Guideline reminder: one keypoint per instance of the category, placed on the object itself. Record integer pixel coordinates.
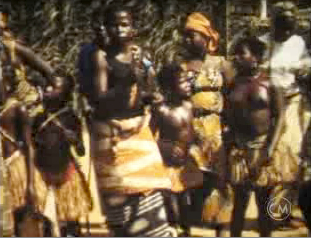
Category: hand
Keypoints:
(265, 158)
(136, 54)
(80, 148)
(178, 152)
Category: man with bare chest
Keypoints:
(129, 167)
(255, 118)
(173, 116)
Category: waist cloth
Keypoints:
(282, 169)
(126, 156)
(136, 214)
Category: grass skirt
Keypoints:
(73, 198)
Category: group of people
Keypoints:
(171, 148)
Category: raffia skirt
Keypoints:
(6, 218)
(73, 199)
(282, 169)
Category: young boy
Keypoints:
(255, 118)
(174, 117)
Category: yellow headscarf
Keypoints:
(198, 22)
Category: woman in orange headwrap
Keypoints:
(206, 71)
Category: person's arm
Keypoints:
(303, 68)
(28, 150)
(34, 61)
(151, 85)
(53, 92)
(278, 113)
(228, 72)
(73, 132)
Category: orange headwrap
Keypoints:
(198, 22)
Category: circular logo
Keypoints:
(279, 208)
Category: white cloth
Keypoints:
(285, 58)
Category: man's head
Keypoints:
(284, 20)
(98, 27)
(199, 37)
(249, 54)
(119, 23)
(65, 86)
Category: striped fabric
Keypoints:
(128, 165)
(136, 215)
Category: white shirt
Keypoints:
(287, 57)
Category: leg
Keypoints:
(185, 211)
(241, 198)
(72, 229)
(172, 207)
(264, 220)
(304, 201)
(198, 197)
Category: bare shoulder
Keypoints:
(100, 58)
(100, 55)
(188, 105)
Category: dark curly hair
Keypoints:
(256, 47)
(5, 8)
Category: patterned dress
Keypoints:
(208, 104)
(23, 90)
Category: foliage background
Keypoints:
(56, 28)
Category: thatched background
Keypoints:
(56, 28)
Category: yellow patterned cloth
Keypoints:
(208, 126)
(186, 177)
(23, 90)
(129, 163)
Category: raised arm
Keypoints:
(31, 59)
(24, 122)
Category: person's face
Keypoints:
(122, 27)
(246, 62)
(102, 36)
(283, 27)
(3, 20)
(195, 42)
(182, 85)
